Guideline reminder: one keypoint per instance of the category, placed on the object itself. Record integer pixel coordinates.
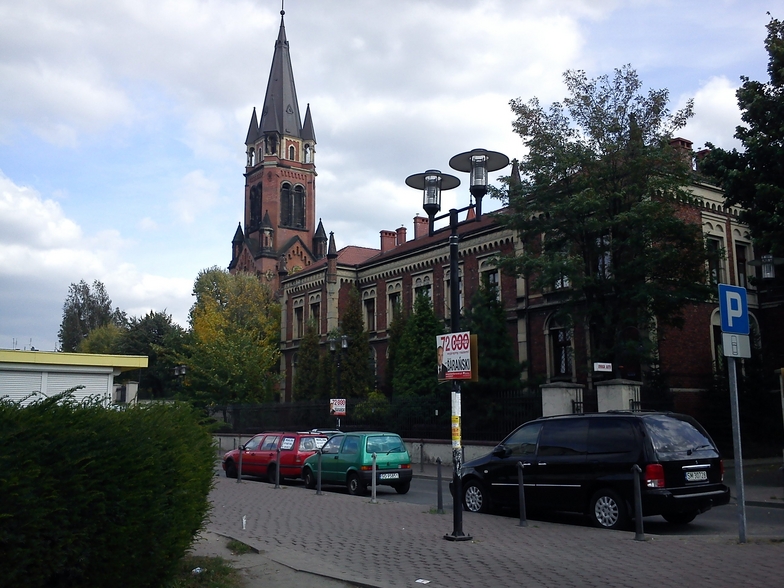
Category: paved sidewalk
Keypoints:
(393, 544)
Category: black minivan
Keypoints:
(583, 463)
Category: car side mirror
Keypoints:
(241, 448)
(502, 451)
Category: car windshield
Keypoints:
(385, 444)
(671, 434)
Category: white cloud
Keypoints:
(42, 252)
(196, 194)
(716, 114)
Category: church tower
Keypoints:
(279, 225)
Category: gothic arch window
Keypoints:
(292, 206)
(292, 152)
(255, 207)
(298, 212)
(251, 154)
(272, 144)
(285, 205)
(308, 154)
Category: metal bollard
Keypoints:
(521, 494)
(318, 474)
(440, 509)
(277, 469)
(638, 532)
(239, 466)
(373, 483)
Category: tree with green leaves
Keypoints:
(754, 178)
(234, 350)
(356, 377)
(306, 376)
(597, 207)
(394, 335)
(104, 339)
(415, 360)
(498, 365)
(84, 310)
(160, 339)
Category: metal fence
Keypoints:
(488, 418)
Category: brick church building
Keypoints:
(280, 242)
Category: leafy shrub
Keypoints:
(99, 496)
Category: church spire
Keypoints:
(281, 111)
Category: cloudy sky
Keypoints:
(122, 122)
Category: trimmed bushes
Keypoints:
(99, 496)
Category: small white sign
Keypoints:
(288, 443)
(602, 367)
(337, 406)
(736, 345)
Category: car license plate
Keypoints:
(388, 476)
(698, 476)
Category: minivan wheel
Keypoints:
(310, 479)
(607, 510)
(474, 497)
(355, 486)
(271, 473)
(680, 518)
(231, 469)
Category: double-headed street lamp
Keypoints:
(478, 162)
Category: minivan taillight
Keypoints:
(654, 475)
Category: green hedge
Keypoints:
(99, 496)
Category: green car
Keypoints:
(347, 458)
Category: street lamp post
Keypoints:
(179, 373)
(478, 162)
(338, 355)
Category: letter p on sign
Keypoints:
(734, 309)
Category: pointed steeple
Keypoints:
(308, 134)
(320, 241)
(280, 103)
(239, 236)
(253, 129)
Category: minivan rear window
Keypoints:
(671, 434)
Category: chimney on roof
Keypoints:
(387, 240)
(699, 156)
(401, 236)
(683, 147)
(421, 227)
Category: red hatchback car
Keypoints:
(260, 454)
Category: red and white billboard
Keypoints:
(453, 352)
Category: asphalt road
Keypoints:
(721, 521)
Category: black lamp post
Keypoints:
(179, 373)
(478, 162)
(333, 347)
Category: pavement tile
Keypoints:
(393, 544)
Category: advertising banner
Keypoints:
(453, 352)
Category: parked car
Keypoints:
(259, 455)
(583, 463)
(347, 459)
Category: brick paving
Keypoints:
(394, 544)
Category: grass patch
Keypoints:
(238, 547)
(216, 572)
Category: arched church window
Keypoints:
(291, 152)
(251, 153)
(272, 144)
(298, 212)
(255, 207)
(308, 154)
(285, 205)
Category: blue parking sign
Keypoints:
(734, 309)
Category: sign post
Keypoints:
(734, 311)
(453, 351)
